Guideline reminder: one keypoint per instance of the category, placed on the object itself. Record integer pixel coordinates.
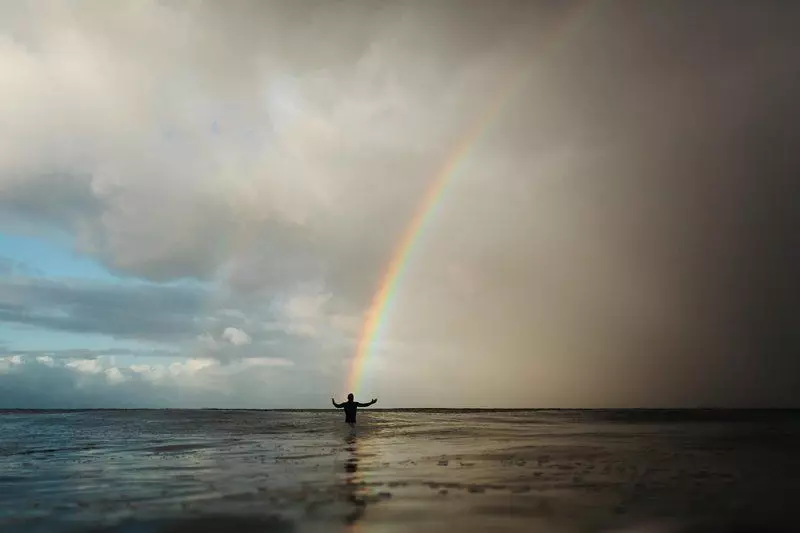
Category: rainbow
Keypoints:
(381, 301)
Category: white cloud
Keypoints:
(307, 313)
(196, 365)
(190, 366)
(88, 366)
(306, 306)
(267, 162)
(346, 323)
(236, 336)
(6, 364)
(114, 375)
(302, 329)
(193, 382)
(267, 361)
(45, 360)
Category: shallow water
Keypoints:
(548, 471)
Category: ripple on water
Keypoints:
(179, 448)
(154, 465)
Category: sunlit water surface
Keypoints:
(266, 471)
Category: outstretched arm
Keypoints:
(336, 405)
(374, 400)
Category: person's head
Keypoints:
(350, 396)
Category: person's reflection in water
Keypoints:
(353, 482)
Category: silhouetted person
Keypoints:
(350, 407)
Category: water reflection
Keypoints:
(353, 480)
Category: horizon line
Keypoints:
(495, 409)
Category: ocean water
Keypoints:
(518, 471)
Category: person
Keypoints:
(350, 407)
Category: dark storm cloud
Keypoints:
(147, 312)
(702, 185)
(656, 267)
(52, 199)
(85, 353)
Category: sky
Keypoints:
(199, 201)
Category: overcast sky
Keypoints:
(198, 202)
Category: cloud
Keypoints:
(125, 126)
(114, 375)
(304, 313)
(172, 320)
(625, 219)
(267, 361)
(36, 383)
(302, 329)
(87, 353)
(141, 311)
(236, 337)
(282, 192)
(86, 366)
(349, 324)
(306, 305)
(13, 267)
